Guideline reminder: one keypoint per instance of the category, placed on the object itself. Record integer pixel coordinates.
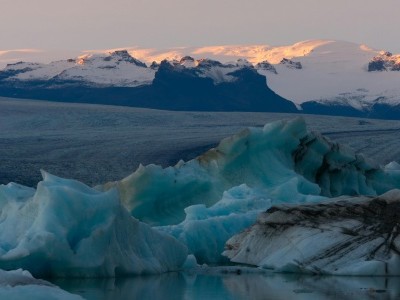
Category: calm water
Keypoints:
(233, 286)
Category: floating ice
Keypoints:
(205, 230)
(20, 284)
(206, 200)
(284, 160)
(68, 229)
(353, 236)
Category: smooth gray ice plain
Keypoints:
(96, 144)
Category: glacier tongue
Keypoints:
(68, 229)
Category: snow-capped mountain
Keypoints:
(341, 78)
(319, 76)
(120, 79)
(118, 68)
(385, 61)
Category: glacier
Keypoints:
(151, 220)
(67, 229)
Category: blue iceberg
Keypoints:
(66, 228)
(203, 202)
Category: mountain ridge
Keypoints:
(319, 77)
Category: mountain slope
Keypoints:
(338, 79)
(120, 79)
(319, 76)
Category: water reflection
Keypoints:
(313, 287)
(233, 286)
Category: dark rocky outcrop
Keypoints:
(265, 65)
(291, 64)
(386, 61)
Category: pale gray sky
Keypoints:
(99, 24)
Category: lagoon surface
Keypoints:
(188, 286)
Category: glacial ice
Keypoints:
(66, 229)
(20, 285)
(205, 230)
(282, 159)
(204, 201)
(348, 236)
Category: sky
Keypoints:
(102, 24)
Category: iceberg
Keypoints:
(282, 159)
(20, 285)
(67, 229)
(356, 236)
(205, 230)
(205, 201)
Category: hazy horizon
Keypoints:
(79, 25)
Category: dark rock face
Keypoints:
(15, 69)
(386, 61)
(9, 73)
(186, 89)
(209, 63)
(154, 65)
(123, 55)
(291, 64)
(381, 110)
(174, 87)
(265, 65)
(352, 236)
(186, 58)
(376, 65)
